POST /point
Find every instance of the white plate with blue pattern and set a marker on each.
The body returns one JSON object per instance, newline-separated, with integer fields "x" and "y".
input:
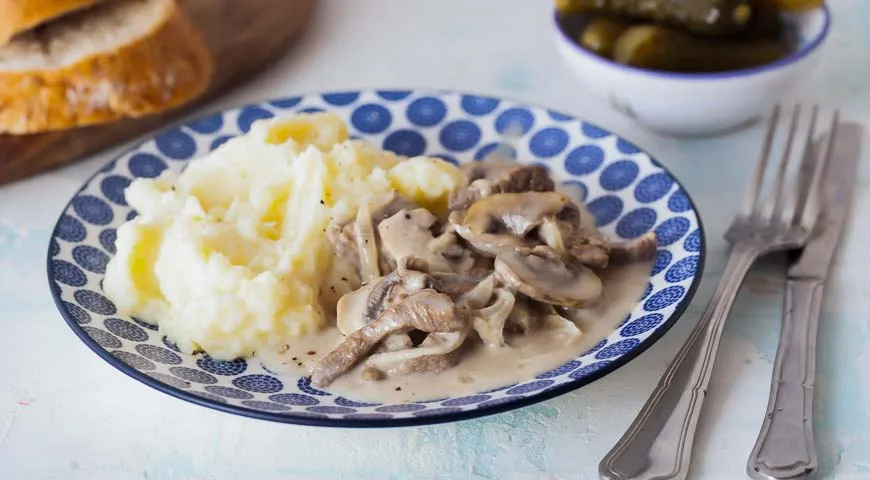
{"x": 627, "y": 191}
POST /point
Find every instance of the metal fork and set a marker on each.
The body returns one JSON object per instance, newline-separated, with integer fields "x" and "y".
{"x": 658, "y": 444}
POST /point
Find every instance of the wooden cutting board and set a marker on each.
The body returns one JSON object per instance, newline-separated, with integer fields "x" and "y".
{"x": 245, "y": 36}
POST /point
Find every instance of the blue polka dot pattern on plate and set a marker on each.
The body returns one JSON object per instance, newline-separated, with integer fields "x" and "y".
{"x": 496, "y": 149}
{"x": 558, "y": 116}
{"x": 548, "y": 142}
{"x": 672, "y": 230}
{"x": 90, "y": 258}
{"x": 94, "y": 302}
{"x": 258, "y": 383}
{"x": 146, "y": 165}
{"x": 616, "y": 349}
{"x": 207, "y": 125}
{"x": 78, "y": 313}
{"x": 371, "y": 118}
{"x": 401, "y": 408}
{"x": 693, "y": 242}
{"x": 394, "y": 95}
{"x": 229, "y": 392}
{"x": 682, "y": 269}
{"x": 158, "y": 354}
{"x": 350, "y": 403}
{"x": 68, "y": 274}
{"x": 626, "y": 147}
{"x": 93, "y": 210}
{"x": 222, "y": 367}
{"x": 618, "y": 175}
{"x": 134, "y": 360}
{"x": 587, "y": 370}
{"x": 588, "y": 161}
{"x": 131, "y": 215}
{"x": 641, "y": 325}
{"x": 125, "y": 330}
{"x": 113, "y": 188}
{"x": 592, "y": 131}
{"x": 170, "y": 344}
{"x": 477, "y": 105}
{"x": 176, "y": 145}
{"x": 636, "y": 222}
{"x": 584, "y": 159}
{"x": 463, "y": 401}
{"x": 529, "y": 387}
{"x": 217, "y": 142}
{"x": 664, "y": 298}
{"x": 459, "y": 135}
{"x": 653, "y": 187}
{"x": 193, "y": 375}
{"x": 605, "y": 209}
{"x": 286, "y": 102}
{"x": 514, "y": 121}
{"x": 405, "y": 142}
{"x": 294, "y": 399}
{"x": 330, "y": 409}
{"x": 340, "y": 99}
{"x": 426, "y": 111}
{"x": 662, "y": 260}
{"x": 169, "y": 380}
{"x": 103, "y": 338}
{"x": 560, "y": 370}
{"x": 249, "y": 115}
{"x": 209, "y": 396}
{"x": 107, "y": 239}
{"x": 70, "y": 229}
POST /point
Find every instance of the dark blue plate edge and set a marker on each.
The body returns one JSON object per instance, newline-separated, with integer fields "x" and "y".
{"x": 384, "y": 423}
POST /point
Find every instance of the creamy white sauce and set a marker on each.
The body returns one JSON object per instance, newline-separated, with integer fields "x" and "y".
{"x": 481, "y": 367}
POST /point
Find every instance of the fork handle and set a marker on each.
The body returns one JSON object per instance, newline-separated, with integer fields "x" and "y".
{"x": 785, "y": 447}
{"x": 658, "y": 444}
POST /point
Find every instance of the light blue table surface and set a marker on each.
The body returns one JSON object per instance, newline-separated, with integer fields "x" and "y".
{"x": 65, "y": 414}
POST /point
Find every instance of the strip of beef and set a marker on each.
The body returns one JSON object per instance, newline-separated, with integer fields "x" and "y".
{"x": 425, "y": 310}
{"x": 490, "y": 178}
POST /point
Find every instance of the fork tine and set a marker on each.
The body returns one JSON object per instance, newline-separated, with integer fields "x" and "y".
{"x": 811, "y": 206}
{"x": 777, "y": 197}
{"x": 751, "y": 199}
{"x": 806, "y": 171}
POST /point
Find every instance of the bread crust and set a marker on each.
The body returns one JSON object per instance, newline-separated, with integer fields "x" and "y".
{"x": 165, "y": 68}
{"x": 19, "y": 15}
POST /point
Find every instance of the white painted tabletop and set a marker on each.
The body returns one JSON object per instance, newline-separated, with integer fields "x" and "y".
{"x": 66, "y": 414}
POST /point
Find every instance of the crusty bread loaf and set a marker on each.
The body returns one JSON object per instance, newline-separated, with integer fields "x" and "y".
{"x": 123, "y": 58}
{"x": 22, "y": 15}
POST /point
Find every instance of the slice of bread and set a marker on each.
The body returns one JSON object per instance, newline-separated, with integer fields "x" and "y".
{"x": 122, "y": 58}
{"x": 21, "y": 15}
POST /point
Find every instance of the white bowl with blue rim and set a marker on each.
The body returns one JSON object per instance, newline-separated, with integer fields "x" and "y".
{"x": 627, "y": 190}
{"x": 699, "y": 104}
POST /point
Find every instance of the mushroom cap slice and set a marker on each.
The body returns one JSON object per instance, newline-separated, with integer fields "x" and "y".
{"x": 516, "y": 213}
{"x": 541, "y": 275}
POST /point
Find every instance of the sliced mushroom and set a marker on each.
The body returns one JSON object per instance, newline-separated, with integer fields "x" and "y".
{"x": 410, "y": 359}
{"x": 640, "y": 249}
{"x": 425, "y": 310}
{"x": 541, "y": 275}
{"x": 502, "y": 221}
{"x": 489, "y": 322}
{"x": 353, "y": 238}
{"x": 409, "y": 233}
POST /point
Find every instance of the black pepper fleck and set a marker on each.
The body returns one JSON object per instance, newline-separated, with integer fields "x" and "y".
{"x": 299, "y": 364}
{"x": 295, "y": 358}
{"x": 322, "y": 202}
{"x": 398, "y": 389}
{"x": 407, "y": 216}
{"x": 343, "y": 279}
{"x": 311, "y": 352}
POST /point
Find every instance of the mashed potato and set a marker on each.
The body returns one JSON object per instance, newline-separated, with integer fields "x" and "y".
{"x": 230, "y": 256}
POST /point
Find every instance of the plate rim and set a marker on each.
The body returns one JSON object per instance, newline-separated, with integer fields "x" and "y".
{"x": 353, "y": 423}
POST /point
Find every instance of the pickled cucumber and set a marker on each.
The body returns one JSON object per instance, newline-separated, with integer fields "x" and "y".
{"x": 602, "y": 32}
{"x": 713, "y": 17}
{"x": 659, "y": 48}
